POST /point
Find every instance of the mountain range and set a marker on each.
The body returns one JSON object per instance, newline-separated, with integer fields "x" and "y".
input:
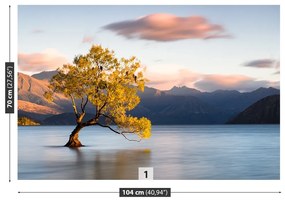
{"x": 264, "y": 111}
{"x": 179, "y": 105}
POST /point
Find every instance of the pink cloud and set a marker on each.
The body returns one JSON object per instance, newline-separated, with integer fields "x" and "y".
{"x": 46, "y": 60}
{"x": 231, "y": 82}
{"x": 167, "y": 27}
{"x": 206, "y": 82}
{"x": 263, "y": 63}
{"x": 165, "y": 81}
{"x": 87, "y": 39}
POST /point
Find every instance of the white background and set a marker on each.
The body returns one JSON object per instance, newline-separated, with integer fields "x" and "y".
{"x": 10, "y": 190}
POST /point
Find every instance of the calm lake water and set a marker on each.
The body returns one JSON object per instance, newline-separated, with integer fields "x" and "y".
{"x": 175, "y": 152}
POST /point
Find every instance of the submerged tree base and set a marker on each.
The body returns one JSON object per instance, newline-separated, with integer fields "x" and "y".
{"x": 73, "y": 140}
{"x": 73, "y": 144}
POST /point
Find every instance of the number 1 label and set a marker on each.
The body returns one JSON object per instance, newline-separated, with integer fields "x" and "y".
{"x": 145, "y": 173}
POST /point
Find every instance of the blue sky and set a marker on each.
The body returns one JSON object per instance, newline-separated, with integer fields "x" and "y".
{"x": 206, "y": 47}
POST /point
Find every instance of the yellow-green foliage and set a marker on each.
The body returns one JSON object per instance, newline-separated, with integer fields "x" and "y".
{"x": 24, "y": 121}
{"x": 108, "y": 83}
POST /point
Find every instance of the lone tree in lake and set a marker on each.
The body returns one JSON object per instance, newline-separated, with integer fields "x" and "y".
{"x": 110, "y": 85}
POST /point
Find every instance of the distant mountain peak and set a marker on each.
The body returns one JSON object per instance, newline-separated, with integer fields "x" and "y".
{"x": 226, "y": 91}
{"x": 182, "y": 90}
{"x": 158, "y": 93}
{"x": 261, "y": 89}
{"x": 265, "y": 90}
{"x": 179, "y": 87}
{"x": 45, "y": 75}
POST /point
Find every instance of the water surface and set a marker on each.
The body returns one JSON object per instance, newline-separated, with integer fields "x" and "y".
{"x": 175, "y": 152}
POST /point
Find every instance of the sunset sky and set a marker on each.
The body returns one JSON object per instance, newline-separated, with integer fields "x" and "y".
{"x": 203, "y": 47}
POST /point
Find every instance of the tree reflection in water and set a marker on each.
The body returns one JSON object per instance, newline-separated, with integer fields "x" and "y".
{"x": 107, "y": 165}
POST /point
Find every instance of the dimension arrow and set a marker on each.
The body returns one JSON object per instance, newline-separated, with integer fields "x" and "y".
{"x": 9, "y": 33}
{"x": 67, "y": 192}
{"x": 174, "y": 192}
{"x": 9, "y": 71}
{"x": 229, "y": 192}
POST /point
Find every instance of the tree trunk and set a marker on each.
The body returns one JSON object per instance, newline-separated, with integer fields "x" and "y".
{"x": 73, "y": 138}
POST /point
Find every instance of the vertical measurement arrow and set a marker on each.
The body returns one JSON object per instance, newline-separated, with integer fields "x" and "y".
{"x": 9, "y": 33}
{"x": 6, "y": 87}
{"x": 9, "y": 90}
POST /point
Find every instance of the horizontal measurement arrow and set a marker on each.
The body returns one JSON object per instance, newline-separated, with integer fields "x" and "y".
{"x": 175, "y": 192}
{"x": 67, "y": 192}
{"x": 228, "y": 192}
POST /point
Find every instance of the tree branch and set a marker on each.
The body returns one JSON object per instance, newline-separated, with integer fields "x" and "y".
{"x": 120, "y": 133}
{"x": 81, "y": 104}
{"x": 74, "y": 106}
{"x": 91, "y": 122}
{"x": 87, "y": 99}
{"x": 99, "y": 111}
{"x": 85, "y": 103}
{"x": 109, "y": 118}
{"x": 80, "y": 117}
